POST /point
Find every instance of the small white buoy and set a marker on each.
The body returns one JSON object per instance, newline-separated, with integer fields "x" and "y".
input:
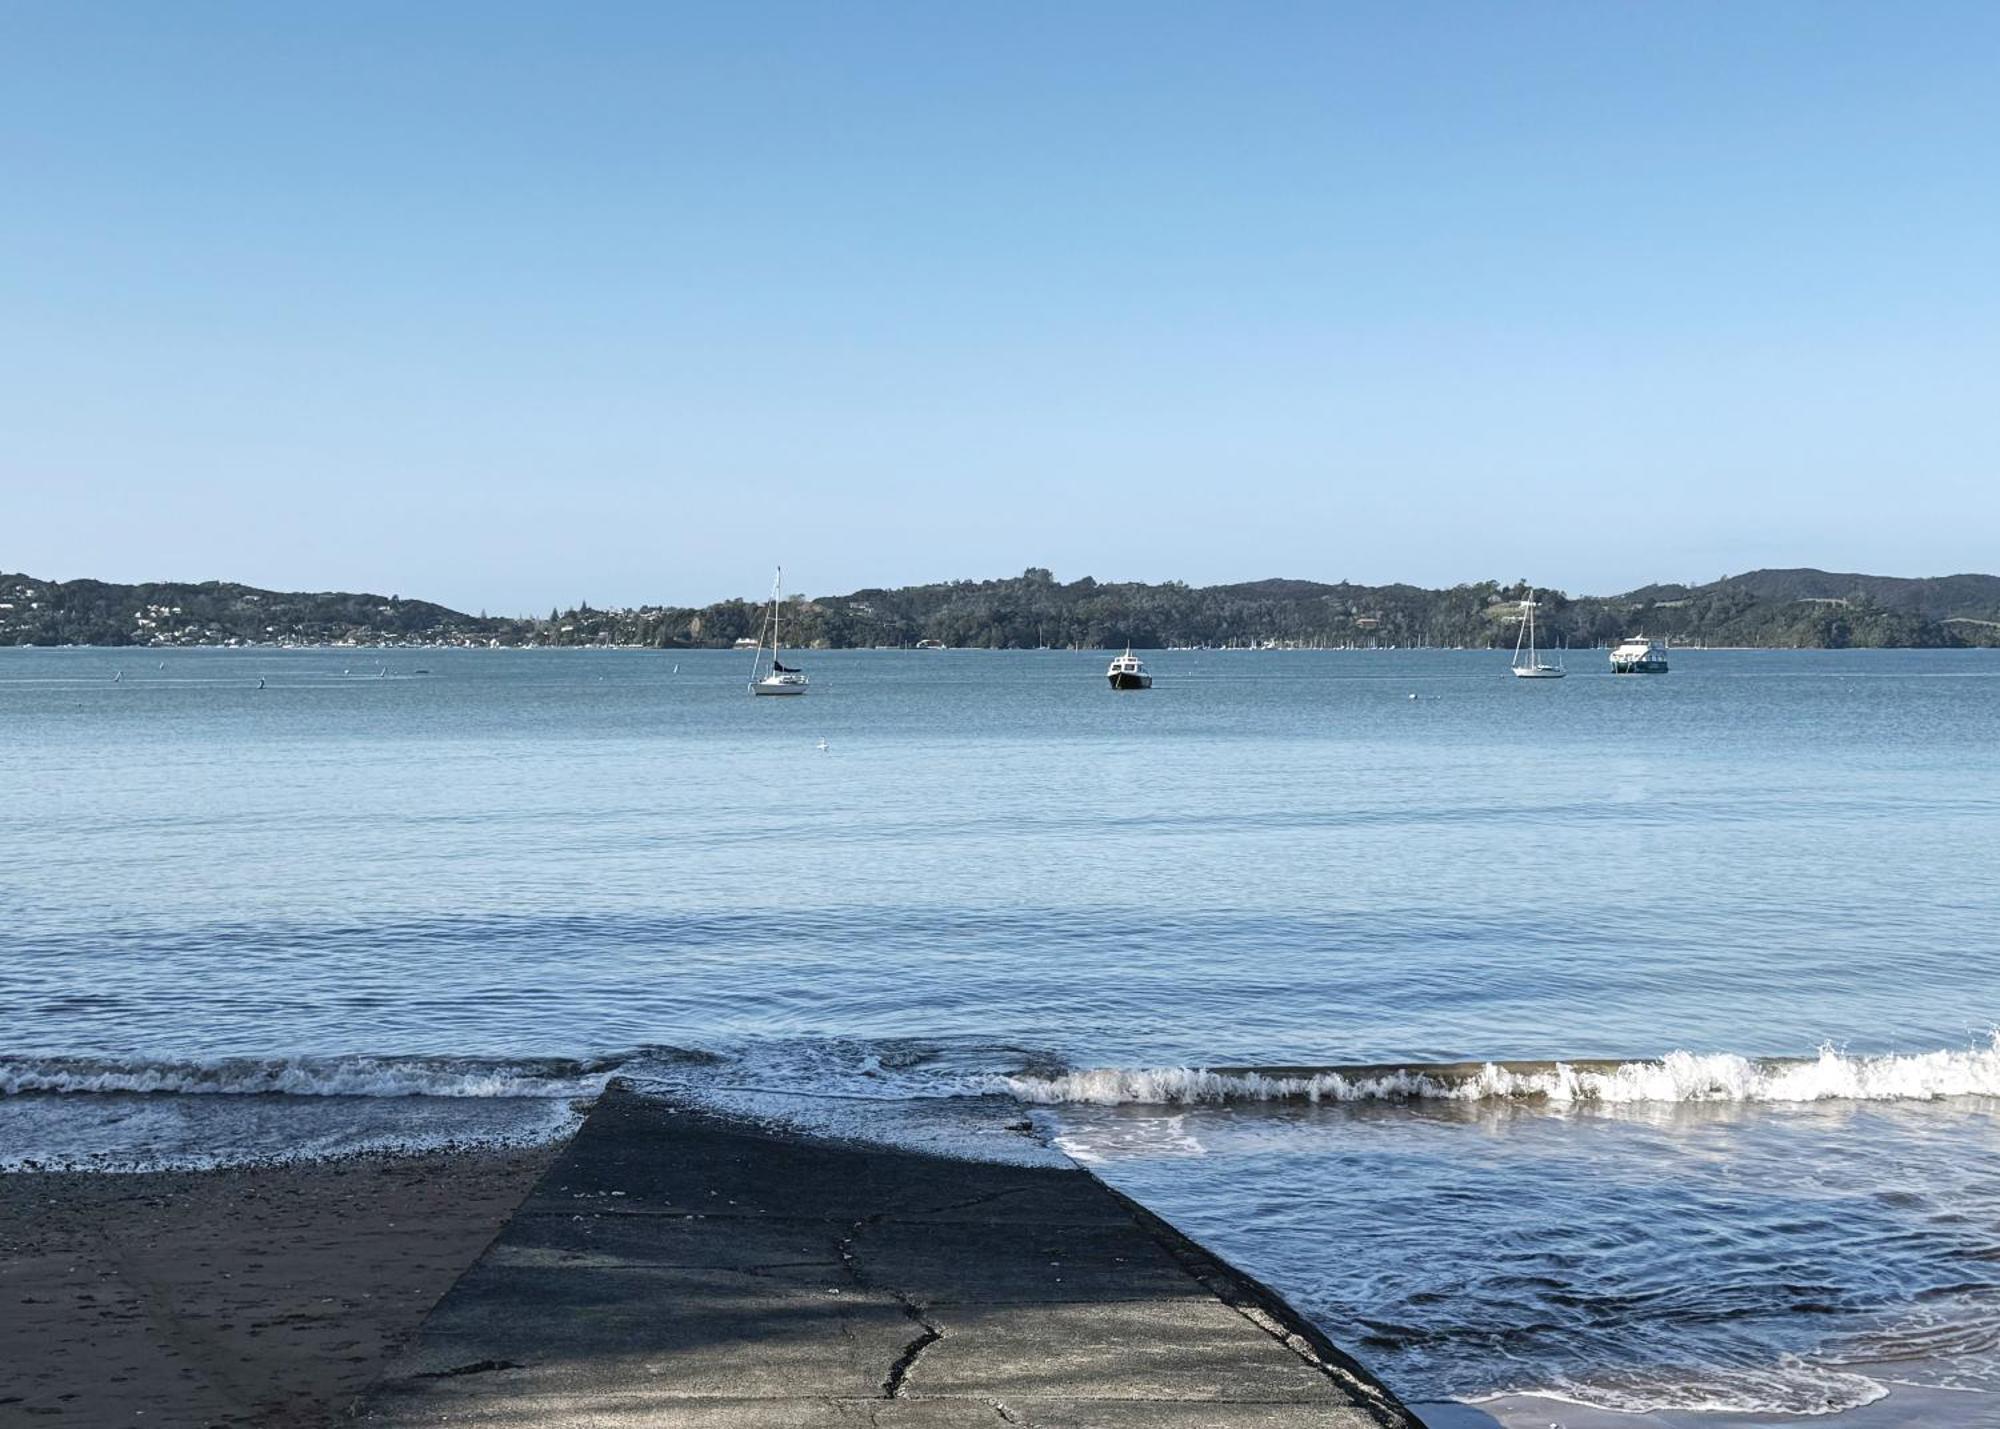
{"x": 1413, "y": 694}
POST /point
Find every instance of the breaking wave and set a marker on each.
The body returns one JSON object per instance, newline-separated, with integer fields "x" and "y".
{"x": 1831, "y": 1075}
{"x": 1677, "y": 1077}
{"x": 554, "y": 1077}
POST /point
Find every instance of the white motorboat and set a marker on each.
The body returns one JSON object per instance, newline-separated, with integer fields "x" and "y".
{"x": 1128, "y": 672}
{"x": 1639, "y": 656}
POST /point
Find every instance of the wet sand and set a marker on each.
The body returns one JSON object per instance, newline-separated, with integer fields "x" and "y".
{"x": 267, "y": 1296}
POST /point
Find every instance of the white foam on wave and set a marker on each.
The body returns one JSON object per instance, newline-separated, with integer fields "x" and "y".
{"x": 122, "y": 1141}
{"x": 309, "y": 1076}
{"x": 1792, "y": 1386}
{"x": 1677, "y": 1077}
{"x": 126, "y": 1132}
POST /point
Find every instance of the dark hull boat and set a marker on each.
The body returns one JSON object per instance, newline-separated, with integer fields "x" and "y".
{"x": 1127, "y": 672}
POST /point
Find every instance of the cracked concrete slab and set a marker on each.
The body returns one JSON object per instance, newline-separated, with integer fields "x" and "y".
{"x": 548, "y": 1319}
{"x": 1142, "y": 1350}
{"x": 679, "y": 1268}
{"x": 1212, "y": 1414}
{"x": 527, "y": 1408}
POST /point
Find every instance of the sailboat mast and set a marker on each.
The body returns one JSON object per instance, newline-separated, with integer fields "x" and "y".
{"x": 767, "y": 626}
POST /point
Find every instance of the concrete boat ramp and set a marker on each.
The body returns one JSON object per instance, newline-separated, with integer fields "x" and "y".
{"x": 680, "y": 1268}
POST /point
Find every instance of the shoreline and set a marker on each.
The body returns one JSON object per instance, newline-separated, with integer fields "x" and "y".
{"x": 268, "y": 646}
{"x": 291, "y": 1294}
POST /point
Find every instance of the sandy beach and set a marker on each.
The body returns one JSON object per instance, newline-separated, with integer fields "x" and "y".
{"x": 267, "y": 1296}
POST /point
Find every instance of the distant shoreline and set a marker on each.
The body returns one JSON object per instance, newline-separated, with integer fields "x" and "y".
{"x": 1779, "y": 609}
{"x": 1150, "y": 650}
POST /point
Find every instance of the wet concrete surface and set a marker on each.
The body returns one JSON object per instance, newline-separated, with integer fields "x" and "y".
{"x": 675, "y": 1267}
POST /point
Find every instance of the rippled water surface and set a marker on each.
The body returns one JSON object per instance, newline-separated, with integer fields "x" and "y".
{"x": 490, "y": 876}
{"x": 1652, "y": 1256}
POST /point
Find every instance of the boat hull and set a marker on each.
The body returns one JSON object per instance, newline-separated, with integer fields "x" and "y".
{"x": 1527, "y": 673}
{"x": 765, "y": 687}
{"x": 1639, "y": 667}
{"x": 1124, "y": 681}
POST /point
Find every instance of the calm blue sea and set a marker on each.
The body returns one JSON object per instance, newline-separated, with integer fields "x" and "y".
{"x": 419, "y": 896}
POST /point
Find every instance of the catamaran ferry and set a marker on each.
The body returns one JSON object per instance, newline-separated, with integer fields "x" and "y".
{"x": 1639, "y": 656}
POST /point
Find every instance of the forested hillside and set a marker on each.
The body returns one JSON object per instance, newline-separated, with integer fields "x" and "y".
{"x": 1781, "y": 608}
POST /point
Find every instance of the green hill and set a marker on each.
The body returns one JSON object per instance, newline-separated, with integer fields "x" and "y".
{"x": 1781, "y": 608}
{"x": 87, "y": 612}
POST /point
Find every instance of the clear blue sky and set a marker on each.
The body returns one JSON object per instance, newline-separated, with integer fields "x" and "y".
{"x": 508, "y": 305}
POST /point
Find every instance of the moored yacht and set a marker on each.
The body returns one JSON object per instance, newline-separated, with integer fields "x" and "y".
{"x": 1528, "y": 663}
{"x": 1128, "y": 672}
{"x": 1639, "y": 656}
{"x": 778, "y": 678}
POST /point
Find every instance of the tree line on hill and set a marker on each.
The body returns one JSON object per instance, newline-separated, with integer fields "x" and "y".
{"x": 1772, "y": 608}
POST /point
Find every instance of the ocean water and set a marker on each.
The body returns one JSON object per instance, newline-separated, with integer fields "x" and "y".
{"x": 1247, "y": 942}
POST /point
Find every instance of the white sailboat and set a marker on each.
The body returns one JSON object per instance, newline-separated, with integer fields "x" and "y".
{"x": 1527, "y": 663}
{"x": 779, "y": 678}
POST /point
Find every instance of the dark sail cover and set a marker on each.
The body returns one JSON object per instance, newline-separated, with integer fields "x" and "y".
{"x": 776, "y": 668}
